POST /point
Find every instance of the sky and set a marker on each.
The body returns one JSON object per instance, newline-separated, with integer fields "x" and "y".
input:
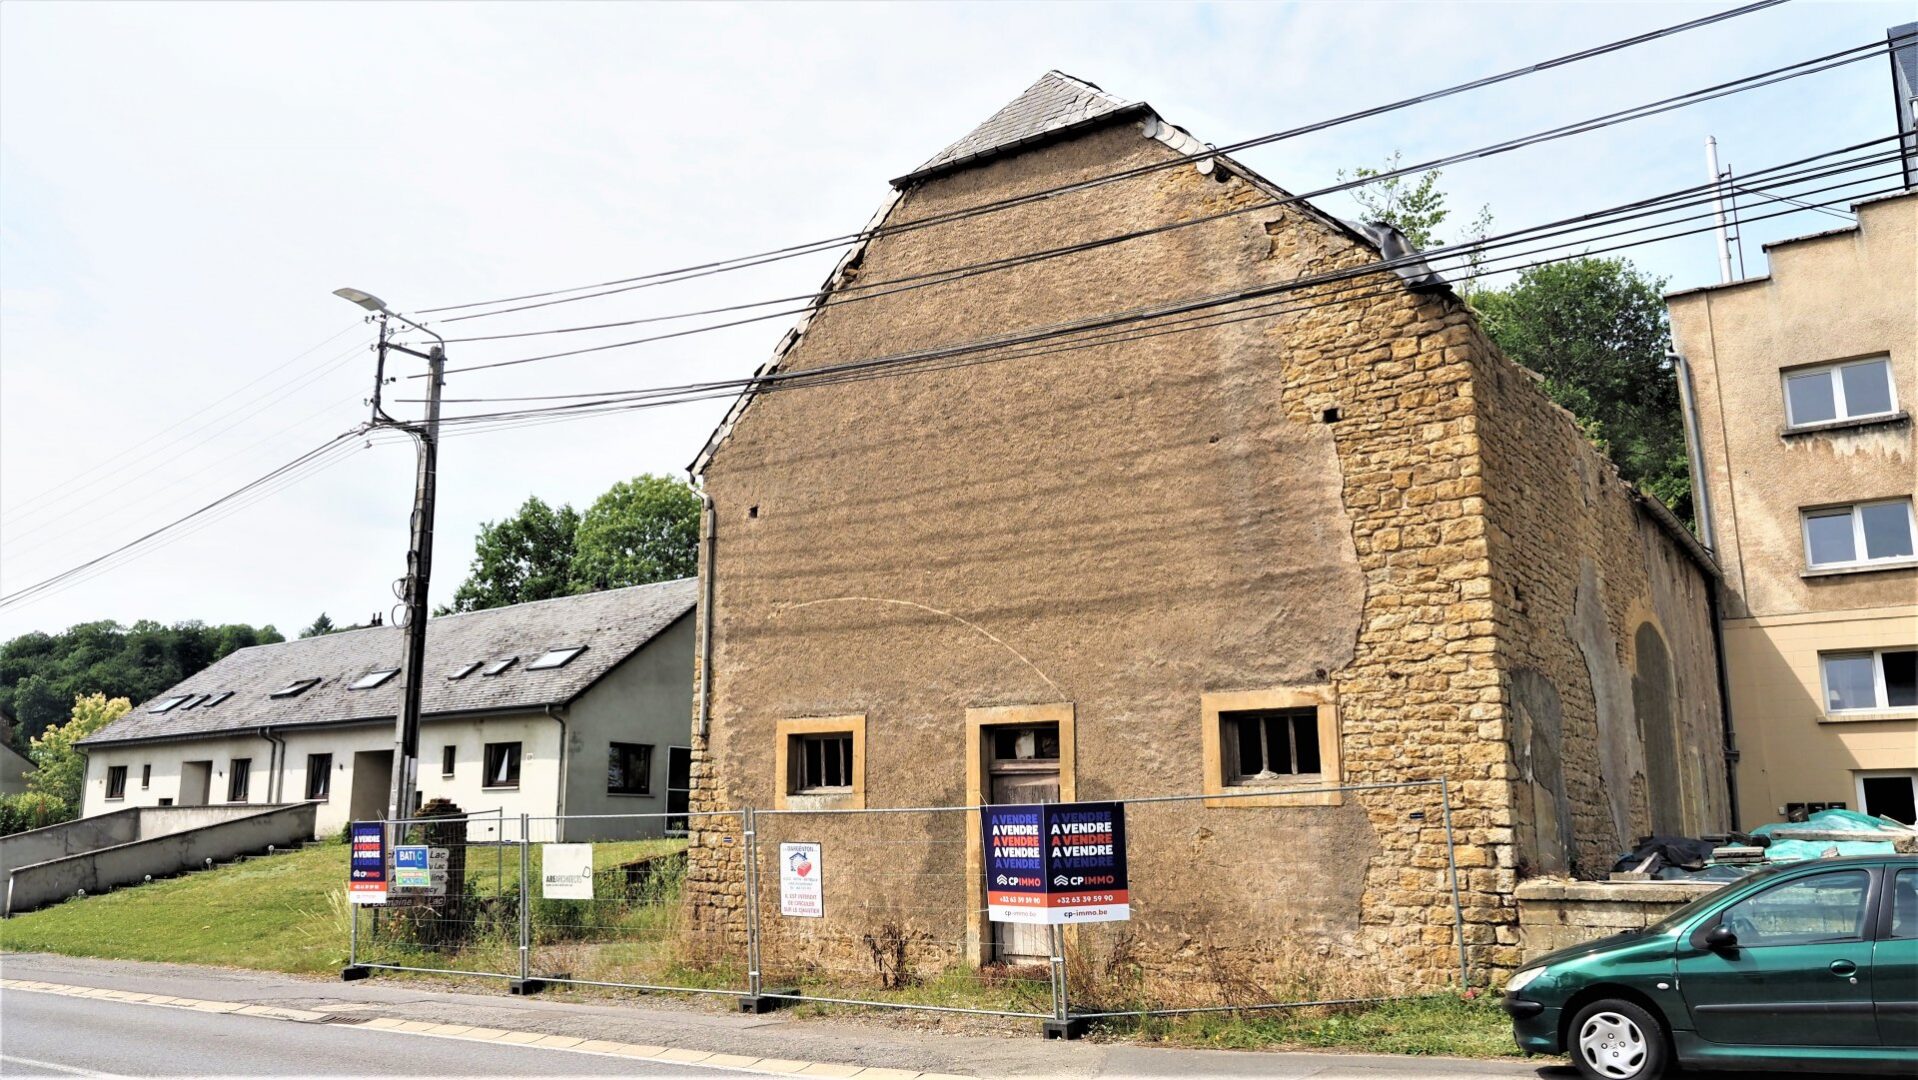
{"x": 182, "y": 186}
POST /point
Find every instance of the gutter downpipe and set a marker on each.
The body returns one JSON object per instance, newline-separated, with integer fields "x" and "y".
{"x": 558, "y": 714}
{"x": 275, "y": 765}
{"x": 1702, "y": 504}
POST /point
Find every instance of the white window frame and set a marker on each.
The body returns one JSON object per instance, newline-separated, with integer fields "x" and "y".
{"x": 1831, "y": 372}
{"x": 1859, "y": 778}
{"x": 1881, "y": 694}
{"x": 1857, "y": 532}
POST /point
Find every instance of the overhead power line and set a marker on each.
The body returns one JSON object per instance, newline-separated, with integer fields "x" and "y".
{"x": 662, "y": 277}
{"x": 1663, "y": 105}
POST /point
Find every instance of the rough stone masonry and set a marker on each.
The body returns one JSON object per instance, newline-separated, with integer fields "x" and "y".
{"x": 1342, "y": 496}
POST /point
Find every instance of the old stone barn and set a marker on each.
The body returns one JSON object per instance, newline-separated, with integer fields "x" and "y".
{"x": 1342, "y": 541}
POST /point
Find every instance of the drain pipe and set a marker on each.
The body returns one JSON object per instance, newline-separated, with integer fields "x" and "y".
{"x": 1714, "y": 591}
{"x": 275, "y": 765}
{"x": 558, "y": 714}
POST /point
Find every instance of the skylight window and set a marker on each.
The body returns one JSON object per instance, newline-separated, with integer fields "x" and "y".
{"x": 556, "y": 658}
{"x": 167, "y": 703}
{"x": 295, "y": 688}
{"x": 465, "y": 670}
{"x": 373, "y": 678}
{"x": 191, "y": 701}
{"x": 499, "y": 666}
{"x": 215, "y": 699}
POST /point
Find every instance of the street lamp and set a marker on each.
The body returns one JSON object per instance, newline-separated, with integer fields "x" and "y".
{"x": 419, "y": 556}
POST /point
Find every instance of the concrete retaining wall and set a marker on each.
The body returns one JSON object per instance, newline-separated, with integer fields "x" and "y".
{"x": 110, "y": 829}
{"x": 1553, "y": 915}
{"x": 216, "y": 836}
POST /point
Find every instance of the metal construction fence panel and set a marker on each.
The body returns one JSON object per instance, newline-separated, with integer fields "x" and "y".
{"x": 1245, "y": 900}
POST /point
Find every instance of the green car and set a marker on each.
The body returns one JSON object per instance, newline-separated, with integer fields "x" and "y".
{"x": 1808, "y": 966}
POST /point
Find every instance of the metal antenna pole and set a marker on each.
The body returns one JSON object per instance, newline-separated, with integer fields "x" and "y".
{"x": 1718, "y": 208}
{"x": 419, "y": 574}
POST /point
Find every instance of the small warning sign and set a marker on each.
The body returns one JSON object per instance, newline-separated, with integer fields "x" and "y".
{"x": 802, "y": 888}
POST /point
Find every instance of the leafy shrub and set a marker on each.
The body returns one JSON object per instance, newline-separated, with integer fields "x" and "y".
{"x": 31, "y": 810}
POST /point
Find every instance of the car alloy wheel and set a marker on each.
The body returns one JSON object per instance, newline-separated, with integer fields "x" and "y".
{"x": 1613, "y": 1045}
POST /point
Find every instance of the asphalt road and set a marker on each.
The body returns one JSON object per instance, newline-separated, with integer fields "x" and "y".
{"x": 52, "y": 1036}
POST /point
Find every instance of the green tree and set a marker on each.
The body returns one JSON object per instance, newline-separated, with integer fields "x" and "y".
{"x": 1596, "y": 330}
{"x": 59, "y": 768}
{"x": 321, "y": 625}
{"x": 41, "y": 674}
{"x": 528, "y": 556}
{"x": 642, "y": 530}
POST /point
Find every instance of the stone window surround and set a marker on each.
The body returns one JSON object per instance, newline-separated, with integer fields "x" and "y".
{"x": 787, "y": 730}
{"x": 1064, "y": 715}
{"x": 1211, "y": 735}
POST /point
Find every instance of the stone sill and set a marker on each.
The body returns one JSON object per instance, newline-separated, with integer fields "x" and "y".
{"x": 1859, "y": 568}
{"x": 1866, "y": 716}
{"x": 1644, "y": 892}
{"x": 1847, "y": 424}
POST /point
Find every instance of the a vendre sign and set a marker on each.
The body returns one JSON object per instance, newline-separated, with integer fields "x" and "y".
{"x": 1055, "y": 863}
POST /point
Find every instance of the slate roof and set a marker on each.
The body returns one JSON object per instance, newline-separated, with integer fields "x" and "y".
{"x": 612, "y": 625}
{"x": 1057, "y": 103}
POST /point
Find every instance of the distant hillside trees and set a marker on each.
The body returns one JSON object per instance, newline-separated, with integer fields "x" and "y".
{"x": 640, "y": 531}
{"x": 42, "y": 674}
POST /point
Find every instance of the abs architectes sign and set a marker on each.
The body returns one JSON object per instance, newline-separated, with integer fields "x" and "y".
{"x": 1055, "y": 863}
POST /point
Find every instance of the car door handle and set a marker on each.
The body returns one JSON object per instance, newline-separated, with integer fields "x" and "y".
{"x": 1843, "y": 967}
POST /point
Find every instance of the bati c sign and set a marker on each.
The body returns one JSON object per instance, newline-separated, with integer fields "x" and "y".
{"x": 1055, "y": 863}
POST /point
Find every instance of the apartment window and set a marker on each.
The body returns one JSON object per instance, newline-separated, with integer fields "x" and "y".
{"x": 1265, "y": 746}
{"x": 1889, "y": 794}
{"x": 629, "y": 769}
{"x": 238, "y": 772}
{"x": 1858, "y": 535}
{"x": 447, "y": 755}
{"x": 146, "y": 777}
{"x": 1870, "y": 681}
{"x": 1857, "y": 390}
{"x": 502, "y": 765}
{"x": 116, "y": 781}
{"x": 319, "y": 776}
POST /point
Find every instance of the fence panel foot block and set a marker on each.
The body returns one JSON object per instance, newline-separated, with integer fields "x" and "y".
{"x": 768, "y": 1001}
{"x": 1070, "y": 1028}
{"x": 355, "y": 973}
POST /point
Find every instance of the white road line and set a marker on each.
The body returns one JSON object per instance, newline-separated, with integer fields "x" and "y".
{"x": 67, "y": 1070}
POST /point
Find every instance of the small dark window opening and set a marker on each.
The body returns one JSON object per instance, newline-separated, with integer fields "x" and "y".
{"x": 502, "y": 765}
{"x": 1268, "y": 745}
{"x": 752, "y": 511}
{"x": 446, "y": 761}
{"x": 822, "y": 763}
{"x": 239, "y": 772}
{"x": 116, "y": 781}
{"x": 1330, "y": 416}
{"x": 146, "y": 776}
{"x": 1022, "y": 744}
{"x": 319, "y": 776}
{"x": 629, "y": 769}
{"x": 1901, "y": 678}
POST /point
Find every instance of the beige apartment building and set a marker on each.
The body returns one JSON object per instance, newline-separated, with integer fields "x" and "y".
{"x": 1801, "y": 385}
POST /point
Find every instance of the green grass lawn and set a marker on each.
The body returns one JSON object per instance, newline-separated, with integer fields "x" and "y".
{"x": 280, "y": 913}
{"x": 288, "y": 913}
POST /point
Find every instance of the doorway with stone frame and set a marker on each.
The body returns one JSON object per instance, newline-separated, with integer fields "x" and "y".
{"x": 1017, "y": 754}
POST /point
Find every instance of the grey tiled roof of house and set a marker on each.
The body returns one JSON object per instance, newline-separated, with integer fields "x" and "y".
{"x": 1056, "y": 103}
{"x": 611, "y": 625}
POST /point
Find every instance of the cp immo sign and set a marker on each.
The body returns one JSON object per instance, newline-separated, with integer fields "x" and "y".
{"x": 1055, "y": 863}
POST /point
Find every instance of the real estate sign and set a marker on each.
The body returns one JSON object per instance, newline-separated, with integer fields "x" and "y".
{"x": 1056, "y": 863}
{"x": 802, "y": 886}
{"x": 366, "y": 864}
{"x": 566, "y": 871}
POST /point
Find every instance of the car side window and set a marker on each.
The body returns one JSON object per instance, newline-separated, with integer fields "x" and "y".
{"x": 1808, "y": 911}
{"x": 1904, "y": 905}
